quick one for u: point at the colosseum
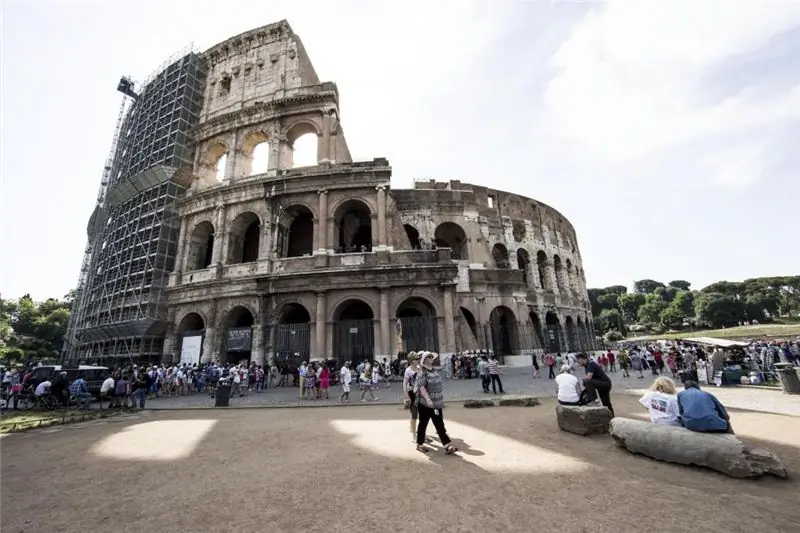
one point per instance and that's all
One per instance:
(327, 260)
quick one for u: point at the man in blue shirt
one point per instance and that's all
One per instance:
(701, 411)
(80, 391)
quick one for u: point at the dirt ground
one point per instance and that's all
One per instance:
(355, 469)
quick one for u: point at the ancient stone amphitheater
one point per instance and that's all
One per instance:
(330, 261)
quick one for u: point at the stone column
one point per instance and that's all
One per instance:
(324, 140)
(265, 239)
(553, 277)
(319, 326)
(257, 348)
(219, 236)
(332, 237)
(385, 325)
(210, 349)
(381, 215)
(449, 323)
(322, 229)
(180, 253)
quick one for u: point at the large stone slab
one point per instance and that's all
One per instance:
(721, 452)
(478, 403)
(583, 420)
(519, 401)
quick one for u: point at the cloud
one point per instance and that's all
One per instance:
(632, 81)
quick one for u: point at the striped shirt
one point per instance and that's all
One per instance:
(494, 367)
(431, 381)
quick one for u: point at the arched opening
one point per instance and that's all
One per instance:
(353, 332)
(254, 151)
(238, 327)
(301, 147)
(417, 326)
(552, 333)
(568, 274)
(500, 255)
(191, 331)
(293, 334)
(214, 161)
(538, 337)
(354, 227)
(569, 325)
(201, 246)
(505, 337)
(541, 266)
(259, 164)
(582, 341)
(469, 318)
(296, 232)
(524, 264)
(413, 236)
(244, 239)
(559, 272)
(451, 235)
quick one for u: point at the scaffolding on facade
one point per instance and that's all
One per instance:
(122, 312)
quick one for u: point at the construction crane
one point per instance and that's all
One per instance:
(125, 86)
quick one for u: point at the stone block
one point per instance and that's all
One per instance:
(521, 401)
(583, 420)
(721, 452)
(478, 403)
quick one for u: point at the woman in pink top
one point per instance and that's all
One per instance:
(324, 381)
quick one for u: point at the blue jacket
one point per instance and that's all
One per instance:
(701, 411)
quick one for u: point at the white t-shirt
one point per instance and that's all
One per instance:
(107, 385)
(41, 388)
(663, 408)
(567, 387)
(411, 374)
(346, 376)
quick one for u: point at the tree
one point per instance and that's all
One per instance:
(613, 336)
(680, 284)
(684, 303)
(671, 318)
(30, 330)
(718, 309)
(646, 286)
(666, 293)
(611, 319)
(629, 305)
(650, 311)
(616, 289)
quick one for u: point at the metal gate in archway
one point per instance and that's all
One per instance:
(552, 338)
(293, 341)
(354, 340)
(419, 333)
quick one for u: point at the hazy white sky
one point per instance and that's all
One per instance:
(667, 132)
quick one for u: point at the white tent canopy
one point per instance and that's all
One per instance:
(722, 343)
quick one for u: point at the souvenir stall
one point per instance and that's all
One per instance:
(726, 364)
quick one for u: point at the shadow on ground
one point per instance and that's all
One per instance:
(356, 469)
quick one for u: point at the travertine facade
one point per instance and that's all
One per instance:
(329, 260)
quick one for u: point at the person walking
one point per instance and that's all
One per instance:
(483, 372)
(494, 374)
(550, 361)
(345, 377)
(429, 390)
(409, 379)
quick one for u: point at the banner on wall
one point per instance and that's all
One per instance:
(239, 339)
(191, 347)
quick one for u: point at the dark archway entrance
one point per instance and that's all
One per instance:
(552, 333)
(354, 332)
(191, 332)
(505, 337)
(354, 225)
(413, 236)
(572, 344)
(417, 326)
(296, 239)
(536, 334)
(244, 239)
(451, 235)
(292, 341)
(238, 338)
(201, 247)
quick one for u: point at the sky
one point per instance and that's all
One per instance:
(666, 132)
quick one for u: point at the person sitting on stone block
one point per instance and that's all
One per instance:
(701, 411)
(569, 388)
(662, 403)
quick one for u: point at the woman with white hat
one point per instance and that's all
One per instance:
(429, 389)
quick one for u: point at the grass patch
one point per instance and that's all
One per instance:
(742, 332)
(13, 422)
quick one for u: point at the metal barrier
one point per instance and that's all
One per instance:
(354, 340)
(293, 341)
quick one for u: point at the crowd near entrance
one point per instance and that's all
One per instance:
(354, 332)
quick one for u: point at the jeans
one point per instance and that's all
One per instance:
(496, 379)
(141, 394)
(485, 382)
(552, 374)
(595, 388)
(427, 414)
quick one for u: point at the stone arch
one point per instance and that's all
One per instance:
(200, 246)
(524, 264)
(295, 231)
(254, 153)
(569, 275)
(558, 268)
(469, 319)
(191, 321)
(354, 330)
(571, 334)
(582, 339)
(293, 332)
(536, 324)
(214, 161)
(238, 324)
(353, 223)
(552, 332)
(451, 235)
(413, 236)
(541, 265)
(302, 146)
(500, 255)
(244, 238)
(417, 325)
(505, 335)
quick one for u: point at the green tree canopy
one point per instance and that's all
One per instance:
(646, 286)
(680, 284)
